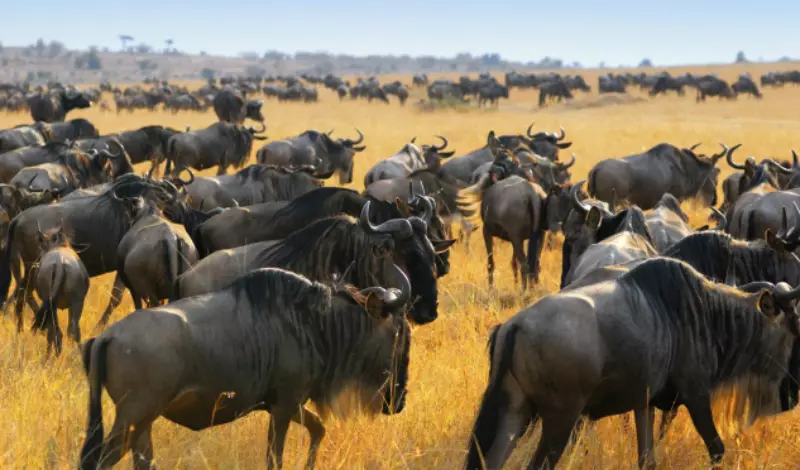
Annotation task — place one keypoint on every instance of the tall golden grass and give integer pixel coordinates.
(43, 414)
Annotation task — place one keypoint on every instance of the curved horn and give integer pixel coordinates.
(566, 166)
(777, 166)
(390, 226)
(444, 144)
(428, 210)
(725, 151)
(612, 205)
(693, 147)
(263, 128)
(577, 203)
(530, 128)
(729, 158)
(393, 299)
(753, 287)
(722, 221)
(795, 160)
(413, 139)
(786, 295)
(560, 137)
(184, 182)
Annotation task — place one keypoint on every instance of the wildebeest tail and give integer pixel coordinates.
(48, 313)
(94, 363)
(495, 398)
(173, 264)
(468, 201)
(169, 155)
(5, 262)
(592, 186)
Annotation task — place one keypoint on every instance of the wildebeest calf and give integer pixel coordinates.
(62, 282)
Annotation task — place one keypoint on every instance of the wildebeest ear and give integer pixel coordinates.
(492, 142)
(374, 305)
(594, 218)
(766, 303)
(440, 246)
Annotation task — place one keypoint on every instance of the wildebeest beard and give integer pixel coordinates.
(320, 317)
(329, 248)
(695, 314)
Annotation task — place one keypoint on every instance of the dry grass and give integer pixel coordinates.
(44, 403)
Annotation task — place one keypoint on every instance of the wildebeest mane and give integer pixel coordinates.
(327, 248)
(717, 254)
(717, 325)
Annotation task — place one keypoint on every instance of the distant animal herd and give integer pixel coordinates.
(281, 290)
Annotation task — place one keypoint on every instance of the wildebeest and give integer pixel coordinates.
(325, 249)
(745, 84)
(438, 91)
(665, 320)
(304, 340)
(419, 79)
(316, 149)
(667, 223)
(712, 86)
(643, 178)
(492, 93)
(94, 224)
(24, 136)
(62, 283)
(74, 169)
(514, 209)
(54, 107)
(751, 176)
(150, 257)
(555, 89)
(220, 144)
(72, 130)
(14, 161)
(254, 184)
(230, 106)
(397, 89)
(407, 160)
(148, 143)
(610, 85)
(667, 83)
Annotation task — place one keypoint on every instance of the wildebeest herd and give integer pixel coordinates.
(265, 289)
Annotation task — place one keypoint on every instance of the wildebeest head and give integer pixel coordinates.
(389, 305)
(53, 238)
(424, 207)
(119, 160)
(243, 137)
(14, 200)
(558, 206)
(433, 154)
(341, 152)
(702, 169)
(756, 174)
(74, 100)
(547, 144)
(253, 110)
(414, 254)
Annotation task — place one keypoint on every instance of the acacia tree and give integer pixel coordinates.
(125, 39)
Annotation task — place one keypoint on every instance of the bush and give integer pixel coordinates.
(208, 73)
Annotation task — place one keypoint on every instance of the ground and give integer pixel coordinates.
(43, 416)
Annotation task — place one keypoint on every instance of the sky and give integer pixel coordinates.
(669, 32)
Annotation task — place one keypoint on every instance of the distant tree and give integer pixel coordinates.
(601, 65)
(203, 53)
(40, 47)
(125, 39)
(249, 55)
(143, 48)
(740, 58)
(93, 59)
(645, 63)
(491, 60)
(208, 73)
(785, 58)
(146, 65)
(169, 43)
(55, 49)
(1, 47)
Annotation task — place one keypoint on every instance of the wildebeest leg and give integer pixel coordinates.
(514, 419)
(276, 435)
(143, 449)
(644, 437)
(557, 426)
(535, 246)
(26, 291)
(515, 268)
(75, 311)
(316, 432)
(519, 257)
(127, 432)
(700, 412)
(487, 241)
(666, 419)
(114, 301)
(54, 335)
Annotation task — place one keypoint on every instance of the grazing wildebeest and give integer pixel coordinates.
(230, 106)
(150, 257)
(643, 178)
(746, 84)
(95, 224)
(492, 93)
(407, 160)
(316, 149)
(54, 107)
(328, 249)
(667, 223)
(438, 91)
(12, 162)
(665, 321)
(610, 85)
(419, 79)
(667, 83)
(555, 89)
(397, 89)
(148, 143)
(220, 144)
(62, 283)
(512, 208)
(254, 184)
(712, 86)
(303, 340)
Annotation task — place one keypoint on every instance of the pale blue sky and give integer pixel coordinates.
(616, 31)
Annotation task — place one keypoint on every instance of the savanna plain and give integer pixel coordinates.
(43, 402)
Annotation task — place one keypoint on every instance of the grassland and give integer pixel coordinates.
(43, 414)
